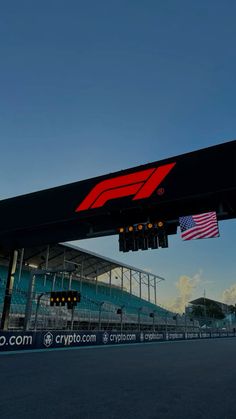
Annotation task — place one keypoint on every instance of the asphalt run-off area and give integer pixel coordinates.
(171, 380)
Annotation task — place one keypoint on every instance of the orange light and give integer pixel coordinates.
(131, 228)
(121, 230)
(63, 299)
(75, 298)
(149, 225)
(57, 299)
(51, 299)
(160, 224)
(139, 227)
(69, 298)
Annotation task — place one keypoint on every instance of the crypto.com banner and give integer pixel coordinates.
(14, 341)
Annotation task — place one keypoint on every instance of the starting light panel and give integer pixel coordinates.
(143, 237)
(61, 298)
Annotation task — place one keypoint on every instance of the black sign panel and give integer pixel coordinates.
(196, 182)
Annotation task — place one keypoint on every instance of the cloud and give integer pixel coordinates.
(185, 287)
(229, 295)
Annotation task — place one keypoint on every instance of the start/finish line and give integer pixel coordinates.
(17, 341)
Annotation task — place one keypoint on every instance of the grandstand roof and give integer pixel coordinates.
(206, 301)
(63, 254)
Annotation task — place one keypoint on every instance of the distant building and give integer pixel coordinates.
(212, 313)
(203, 301)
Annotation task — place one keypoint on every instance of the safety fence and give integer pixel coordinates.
(10, 341)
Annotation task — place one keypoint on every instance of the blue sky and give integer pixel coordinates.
(93, 87)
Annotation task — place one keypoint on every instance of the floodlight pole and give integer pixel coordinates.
(130, 279)
(155, 286)
(53, 282)
(96, 281)
(70, 282)
(28, 309)
(72, 317)
(21, 264)
(139, 314)
(140, 285)
(46, 262)
(110, 282)
(100, 315)
(153, 324)
(9, 290)
(37, 309)
(148, 288)
(81, 275)
(121, 318)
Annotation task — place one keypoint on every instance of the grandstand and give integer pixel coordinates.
(212, 314)
(105, 286)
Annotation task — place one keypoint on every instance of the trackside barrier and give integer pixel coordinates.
(12, 341)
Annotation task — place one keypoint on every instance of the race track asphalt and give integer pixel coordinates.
(173, 380)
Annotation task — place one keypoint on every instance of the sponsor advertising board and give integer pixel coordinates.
(175, 336)
(10, 341)
(13, 341)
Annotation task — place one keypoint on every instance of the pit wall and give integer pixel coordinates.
(16, 341)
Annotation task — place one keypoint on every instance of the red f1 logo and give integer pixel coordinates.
(140, 184)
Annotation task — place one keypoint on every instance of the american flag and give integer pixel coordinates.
(199, 226)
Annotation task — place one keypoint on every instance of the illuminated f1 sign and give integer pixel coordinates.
(140, 184)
